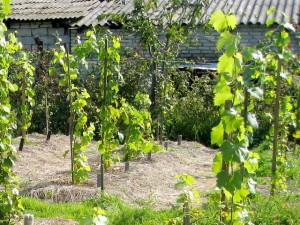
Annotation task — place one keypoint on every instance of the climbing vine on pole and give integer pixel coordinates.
(10, 205)
(118, 121)
(279, 60)
(26, 75)
(81, 133)
(231, 134)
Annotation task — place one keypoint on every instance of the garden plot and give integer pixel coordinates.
(45, 172)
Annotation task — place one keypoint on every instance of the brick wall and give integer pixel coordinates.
(204, 48)
(204, 45)
(26, 31)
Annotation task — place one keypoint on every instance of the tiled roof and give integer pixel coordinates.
(85, 12)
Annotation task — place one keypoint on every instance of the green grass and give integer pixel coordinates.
(118, 212)
(280, 209)
(42, 209)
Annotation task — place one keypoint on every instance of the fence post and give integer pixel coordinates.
(179, 139)
(166, 145)
(28, 219)
(149, 156)
(126, 165)
(186, 218)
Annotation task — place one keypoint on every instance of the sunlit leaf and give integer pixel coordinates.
(217, 134)
(217, 163)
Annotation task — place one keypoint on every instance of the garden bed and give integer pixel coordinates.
(45, 172)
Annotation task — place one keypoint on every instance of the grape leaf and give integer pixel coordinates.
(252, 120)
(234, 152)
(222, 93)
(218, 21)
(256, 92)
(231, 120)
(217, 163)
(225, 64)
(229, 42)
(231, 21)
(217, 134)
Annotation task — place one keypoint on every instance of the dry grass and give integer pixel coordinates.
(44, 172)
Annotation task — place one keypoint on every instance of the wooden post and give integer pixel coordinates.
(225, 167)
(100, 176)
(149, 156)
(98, 180)
(49, 135)
(71, 119)
(102, 173)
(179, 139)
(21, 144)
(126, 165)
(47, 110)
(276, 125)
(186, 210)
(166, 144)
(23, 117)
(28, 219)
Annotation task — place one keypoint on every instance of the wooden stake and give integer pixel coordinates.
(228, 105)
(179, 139)
(102, 173)
(276, 129)
(28, 219)
(186, 218)
(23, 113)
(149, 156)
(21, 144)
(166, 144)
(71, 119)
(49, 135)
(126, 166)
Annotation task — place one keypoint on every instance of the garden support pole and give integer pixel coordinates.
(23, 117)
(28, 219)
(228, 105)
(276, 128)
(71, 115)
(179, 139)
(104, 104)
(186, 218)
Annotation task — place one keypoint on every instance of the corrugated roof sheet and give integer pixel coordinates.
(104, 7)
(86, 11)
(247, 11)
(255, 11)
(50, 9)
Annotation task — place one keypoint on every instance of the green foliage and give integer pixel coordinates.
(10, 205)
(282, 209)
(118, 121)
(279, 61)
(162, 44)
(81, 134)
(194, 114)
(233, 165)
(220, 22)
